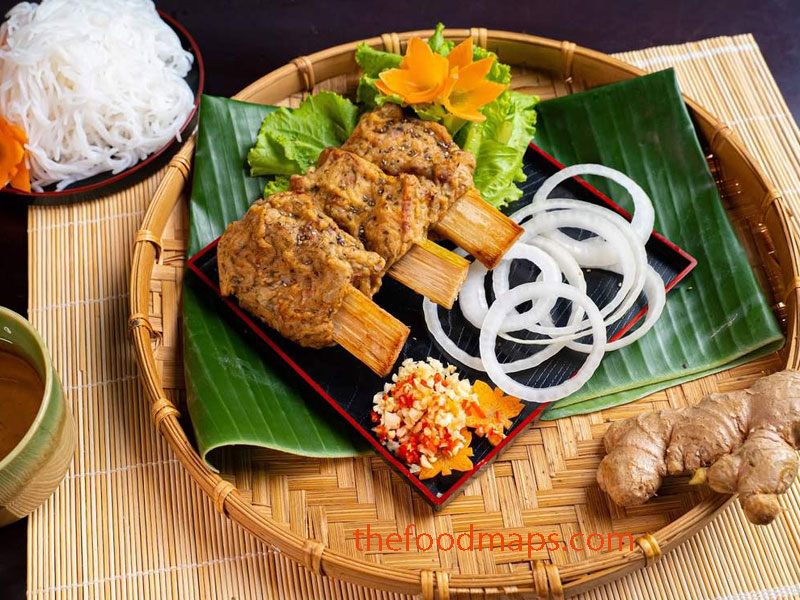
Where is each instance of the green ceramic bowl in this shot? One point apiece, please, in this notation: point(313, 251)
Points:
point(35, 467)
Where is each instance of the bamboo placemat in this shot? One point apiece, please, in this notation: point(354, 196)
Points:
point(129, 523)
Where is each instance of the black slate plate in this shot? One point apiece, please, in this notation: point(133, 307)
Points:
point(349, 386)
point(106, 183)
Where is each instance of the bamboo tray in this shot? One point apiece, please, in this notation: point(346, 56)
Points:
point(309, 508)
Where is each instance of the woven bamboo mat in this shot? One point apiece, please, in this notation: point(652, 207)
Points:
point(129, 523)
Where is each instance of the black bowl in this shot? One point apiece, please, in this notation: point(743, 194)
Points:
point(106, 183)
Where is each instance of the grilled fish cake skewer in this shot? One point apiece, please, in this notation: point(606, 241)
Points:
point(390, 216)
point(399, 144)
point(295, 269)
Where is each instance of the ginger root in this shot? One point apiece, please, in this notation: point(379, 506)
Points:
point(741, 442)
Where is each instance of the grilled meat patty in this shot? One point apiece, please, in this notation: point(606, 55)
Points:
point(292, 257)
point(290, 265)
point(388, 214)
point(399, 144)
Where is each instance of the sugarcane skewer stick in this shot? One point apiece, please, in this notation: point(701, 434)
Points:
point(474, 225)
point(432, 271)
point(368, 332)
point(479, 228)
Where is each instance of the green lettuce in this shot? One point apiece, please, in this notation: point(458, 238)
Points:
point(438, 44)
point(499, 145)
point(279, 183)
point(499, 72)
point(373, 61)
point(290, 141)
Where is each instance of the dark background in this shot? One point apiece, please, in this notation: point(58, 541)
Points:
point(244, 39)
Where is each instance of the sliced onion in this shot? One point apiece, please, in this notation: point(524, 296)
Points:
point(574, 276)
point(501, 282)
point(643, 213)
point(656, 300)
point(630, 254)
point(449, 347)
point(600, 253)
point(532, 291)
point(569, 266)
point(472, 297)
point(617, 246)
point(431, 312)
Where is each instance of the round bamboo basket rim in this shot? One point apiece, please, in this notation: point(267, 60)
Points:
point(548, 581)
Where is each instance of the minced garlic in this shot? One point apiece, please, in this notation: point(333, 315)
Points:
point(422, 414)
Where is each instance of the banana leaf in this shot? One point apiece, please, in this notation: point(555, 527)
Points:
point(719, 313)
point(565, 408)
point(237, 394)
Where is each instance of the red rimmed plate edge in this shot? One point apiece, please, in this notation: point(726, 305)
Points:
point(437, 500)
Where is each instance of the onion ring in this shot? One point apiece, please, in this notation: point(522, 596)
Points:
point(449, 347)
point(472, 296)
point(501, 275)
point(632, 262)
point(491, 328)
point(574, 276)
point(431, 312)
point(656, 300)
point(643, 213)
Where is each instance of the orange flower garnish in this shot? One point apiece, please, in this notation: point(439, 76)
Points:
point(467, 88)
point(420, 78)
point(455, 82)
point(494, 414)
point(460, 56)
point(13, 168)
point(447, 464)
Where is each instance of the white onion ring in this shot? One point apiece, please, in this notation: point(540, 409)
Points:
point(472, 296)
point(574, 276)
point(656, 300)
point(491, 328)
point(568, 265)
point(431, 312)
point(600, 253)
point(643, 213)
point(449, 347)
point(501, 275)
point(632, 262)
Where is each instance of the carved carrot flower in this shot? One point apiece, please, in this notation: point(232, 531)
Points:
point(467, 89)
point(13, 169)
point(493, 413)
point(421, 77)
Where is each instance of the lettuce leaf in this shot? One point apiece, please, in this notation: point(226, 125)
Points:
point(373, 61)
point(499, 145)
point(279, 183)
point(499, 72)
point(438, 44)
point(289, 141)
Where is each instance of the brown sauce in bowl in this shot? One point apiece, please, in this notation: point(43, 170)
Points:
point(21, 393)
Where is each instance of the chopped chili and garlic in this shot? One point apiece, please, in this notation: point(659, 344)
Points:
point(422, 415)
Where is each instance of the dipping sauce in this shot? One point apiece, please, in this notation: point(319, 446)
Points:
point(21, 393)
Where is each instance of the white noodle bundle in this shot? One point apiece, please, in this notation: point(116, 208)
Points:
point(96, 84)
